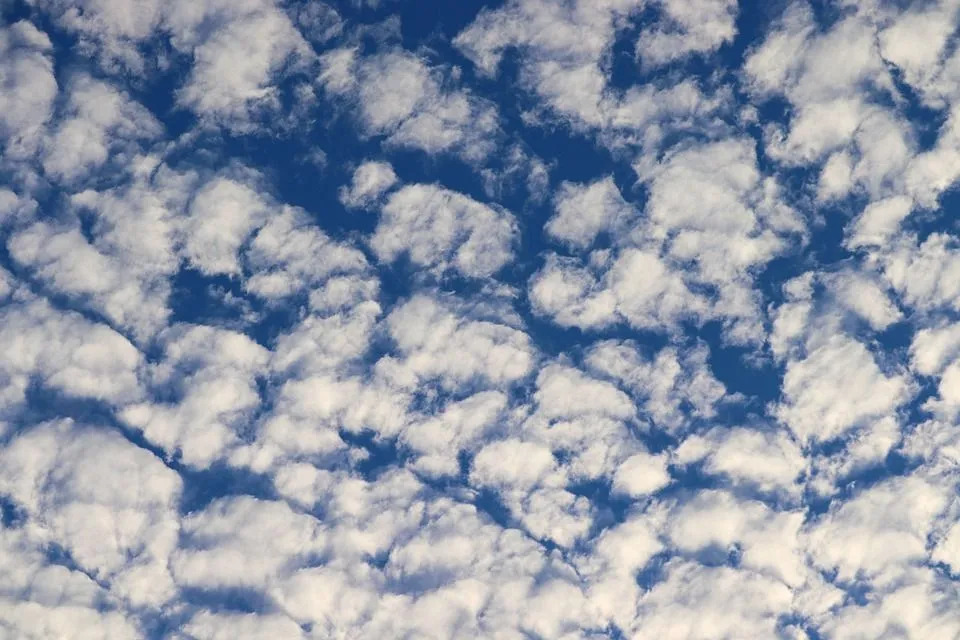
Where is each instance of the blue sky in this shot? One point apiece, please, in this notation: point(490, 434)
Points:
point(522, 319)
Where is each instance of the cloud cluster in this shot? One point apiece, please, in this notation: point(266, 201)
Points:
point(599, 319)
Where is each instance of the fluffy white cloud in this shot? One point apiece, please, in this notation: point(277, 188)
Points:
point(290, 254)
point(222, 214)
point(27, 75)
point(880, 532)
point(583, 211)
point(206, 388)
point(97, 122)
point(701, 602)
point(438, 344)
point(655, 338)
point(399, 96)
point(835, 388)
point(444, 230)
point(370, 180)
point(236, 48)
point(66, 476)
point(242, 542)
point(673, 388)
point(769, 461)
point(687, 27)
point(65, 352)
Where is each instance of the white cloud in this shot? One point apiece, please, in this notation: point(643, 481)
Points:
point(565, 58)
point(641, 474)
point(64, 352)
point(236, 49)
point(767, 540)
point(583, 211)
point(438, 344)
point(27, 75)
point(438, 439)
point(769, 461)
point(530, 483)
point(207, 625)
point(289, 254)
point(879, 221)
point(98, 122)
point(672, 388)
point(242, 542)
point(691, 27)
point(209, 375)
point(444, 230)
point(370, 181)
point(934, 347)
point(399, 438)
point(399, 96)
point(698, 602)
point(222, 214)
point(837, 387)
point(926, 275)
point(879, 533)
point(120, 532)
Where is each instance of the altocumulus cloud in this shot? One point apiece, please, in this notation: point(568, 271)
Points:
point(444, 320)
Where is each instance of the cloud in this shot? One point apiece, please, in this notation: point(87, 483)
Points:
point(602, 319)
point(443, 230)
point(583, 211)
point(63, 351)
point(96, 115)
point(236, 50)
point(209, 376)
point(120, 533)
point(691, 27)
point(410, 103)
point(28, 75)
point(370, 180)
point(835, 388)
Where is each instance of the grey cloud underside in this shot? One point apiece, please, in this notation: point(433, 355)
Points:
point(717, 398)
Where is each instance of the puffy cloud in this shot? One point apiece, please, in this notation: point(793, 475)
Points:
point(402, 98)
point(27, 74)
point(565, 53)
point(638, 287)
point(63, 351)
point(438, 344)
point(289, 254)
point(370, 180)
point(208, 625)
point(880, 532)
point(242, 542)
point(531, 484)
point(439, 439)
point(714, 399)
point(691, 27)
point(672, 389)
point(695, 601)
point(641, 474)
point(444, 230)
point(712, 222)
point(835, 388)
point(93, 126)
point(236, 49)
point(924, 275)
point(583, 211)
point(209, 376)
point(222, 214)
point(65, 476)
point(770, 461)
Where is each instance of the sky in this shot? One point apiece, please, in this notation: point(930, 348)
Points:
point(513, 320)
